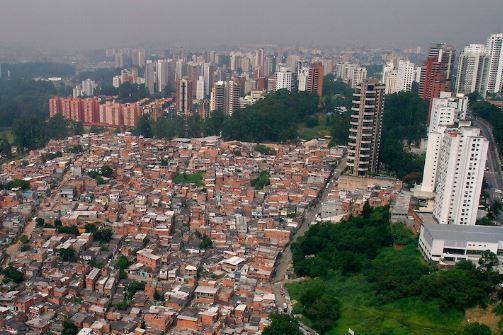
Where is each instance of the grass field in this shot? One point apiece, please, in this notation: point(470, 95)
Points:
point(363, 314)
point(7, 134)
point(195, 178)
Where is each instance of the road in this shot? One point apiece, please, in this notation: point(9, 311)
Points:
point(493, 175)
point(12, 251)
point(285, 260)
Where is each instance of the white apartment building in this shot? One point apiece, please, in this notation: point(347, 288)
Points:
point(460, 170)
point(351, 74)
point(386, 68)
point(495, 73)
point(303, 76)
point(391, 81)
point(85, 89)
point(200, 88)
point(284, 78)
point(473, 68)
point(162, 73)
point(446, 111)
point(406, 75)
point(449, 244)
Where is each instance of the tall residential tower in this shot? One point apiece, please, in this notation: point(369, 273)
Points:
point(365, 128)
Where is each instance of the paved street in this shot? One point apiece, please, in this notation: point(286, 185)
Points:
point(493, 175)
point(285, 260)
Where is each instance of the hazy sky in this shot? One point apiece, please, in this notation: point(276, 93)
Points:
point(387, 23)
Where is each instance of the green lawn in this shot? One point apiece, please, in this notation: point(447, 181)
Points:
point(362, 313)
point(314, 132)
point(195, 178)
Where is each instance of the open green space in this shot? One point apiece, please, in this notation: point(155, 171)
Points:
point(367, 274)
point(362, 312)
point(194, 178)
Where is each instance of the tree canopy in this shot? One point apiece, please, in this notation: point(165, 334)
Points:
point(282, 324)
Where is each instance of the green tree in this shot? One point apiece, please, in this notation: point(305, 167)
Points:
point(17, 183)
point(144, 126)
point(90, 227)
point(282, 324)
point(133, 287)
point(405, 117)
point(69, 328)
point(261, 181)
point(206, 242)
point(488, 260)
point(396, 275)
point(458, 288)
point(106, 171)
point(12, 274)
point(5, 148)
point(71, 230)
point(67, 255)
point(122, 262)
point(496, 208)
point(214, 124)
point(329, 85)
point(103, 235)
point(476, 328)
point(320, 307)
point(132, 92)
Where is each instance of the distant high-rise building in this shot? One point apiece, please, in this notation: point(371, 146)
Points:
point(235, 61)
point(150, 76)
point(284, 78)
point(260, 61)
point(291, 61)
point(208, 72)
point(391, 82)
point(162, 73)
point(138, 57)
point(437, 71)
point(180, 69)
point(385, 70)
point(184, 96)
point(218, 96)
point(390, 78)
point(119, 59)
point(495, 72)
point(88, 87)
point(302, 77)
point(200, 88)
point(351, 74)
point(232, 97)
point(225, 97)
point(315, 79)
point(406, 73)
point(365, 128)
point(473, 66)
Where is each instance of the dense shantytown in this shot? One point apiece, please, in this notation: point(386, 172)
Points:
point(128, 235)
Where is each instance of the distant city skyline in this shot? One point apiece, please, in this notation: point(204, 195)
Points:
point(75, 24)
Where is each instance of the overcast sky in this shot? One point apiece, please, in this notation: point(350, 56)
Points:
point(386, 23)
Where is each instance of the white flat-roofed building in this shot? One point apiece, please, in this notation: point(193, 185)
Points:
point(448, 244)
